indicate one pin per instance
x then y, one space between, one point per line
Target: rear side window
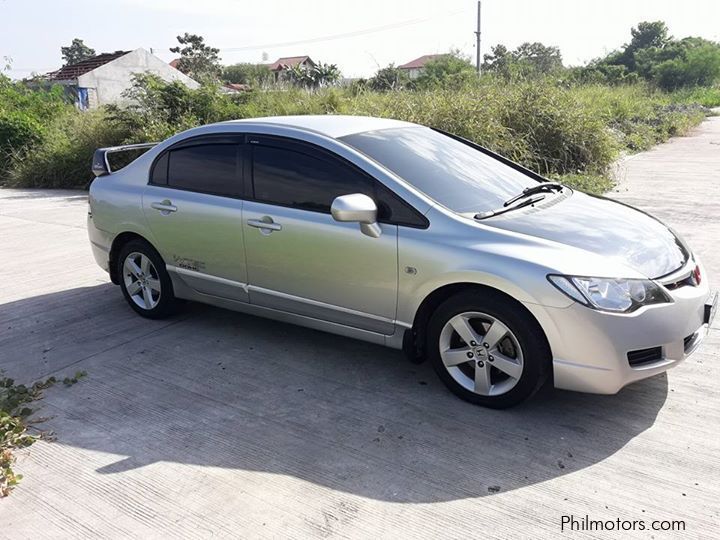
160 170
296 179
207 168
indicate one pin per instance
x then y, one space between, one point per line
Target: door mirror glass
357 208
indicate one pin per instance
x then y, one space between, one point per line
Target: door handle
267 225
165 207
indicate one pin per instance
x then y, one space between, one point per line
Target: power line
333 37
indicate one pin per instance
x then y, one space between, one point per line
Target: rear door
194 209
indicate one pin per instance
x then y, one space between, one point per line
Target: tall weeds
573 132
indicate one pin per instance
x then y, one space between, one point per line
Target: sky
359 36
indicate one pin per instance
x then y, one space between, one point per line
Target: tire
144 280
510 359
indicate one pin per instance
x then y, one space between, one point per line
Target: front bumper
590 348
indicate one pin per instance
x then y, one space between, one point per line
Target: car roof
334 126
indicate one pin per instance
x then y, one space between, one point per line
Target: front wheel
144 280
487 349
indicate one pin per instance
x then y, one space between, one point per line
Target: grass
705 96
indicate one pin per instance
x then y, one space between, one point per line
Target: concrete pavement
219 424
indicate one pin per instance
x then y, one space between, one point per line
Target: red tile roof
420 62
67 73
288 62
238 87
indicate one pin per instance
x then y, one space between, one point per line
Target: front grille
644 356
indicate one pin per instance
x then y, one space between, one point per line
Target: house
104 78
415 67
289 62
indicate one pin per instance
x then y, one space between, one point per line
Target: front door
299 258
194 211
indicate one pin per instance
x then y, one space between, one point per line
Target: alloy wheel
481 353
142 281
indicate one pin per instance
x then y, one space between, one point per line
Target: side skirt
183 291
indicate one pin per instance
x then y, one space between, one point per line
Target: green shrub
23 116
17 131
699 66
64 157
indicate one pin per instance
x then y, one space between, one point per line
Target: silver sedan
405 236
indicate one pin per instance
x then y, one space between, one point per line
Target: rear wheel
144 281
487 349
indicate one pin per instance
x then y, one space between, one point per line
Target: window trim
234 139
307 148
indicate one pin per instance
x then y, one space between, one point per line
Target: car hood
603 227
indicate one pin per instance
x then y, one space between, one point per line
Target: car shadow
215 388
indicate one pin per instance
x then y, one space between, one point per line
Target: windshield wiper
491 213
544 186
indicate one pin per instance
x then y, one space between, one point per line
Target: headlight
616 295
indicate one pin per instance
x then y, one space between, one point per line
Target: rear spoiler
101 164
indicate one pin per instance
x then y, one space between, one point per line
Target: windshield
450 172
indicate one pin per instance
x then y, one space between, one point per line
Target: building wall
107 83
413 73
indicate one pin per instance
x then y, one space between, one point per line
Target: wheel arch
414 338
118 242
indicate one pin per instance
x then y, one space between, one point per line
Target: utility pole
477 38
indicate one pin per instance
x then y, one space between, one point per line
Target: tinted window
290 178
392 208
159 173
209 168
449 171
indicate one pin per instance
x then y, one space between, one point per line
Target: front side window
452 173
296 179
299 179
207 168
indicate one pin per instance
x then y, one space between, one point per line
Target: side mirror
357 208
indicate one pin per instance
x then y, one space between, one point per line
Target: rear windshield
450 172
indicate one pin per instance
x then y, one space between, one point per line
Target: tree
76 52
316 76
647 35
527 60
498 60
658 58
541 58
252 74
452 70
327 74
389 78
197 59
698 65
